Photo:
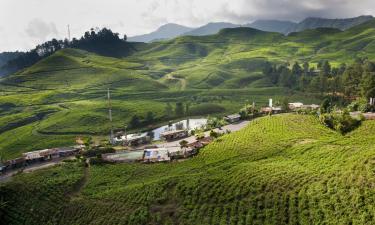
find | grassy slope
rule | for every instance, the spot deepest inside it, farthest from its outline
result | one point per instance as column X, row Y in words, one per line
column 285, row 169
column 224, row 69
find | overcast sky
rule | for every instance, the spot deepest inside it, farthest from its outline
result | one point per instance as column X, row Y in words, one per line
column 25, row 23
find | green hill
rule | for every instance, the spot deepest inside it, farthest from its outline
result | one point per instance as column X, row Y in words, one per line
column 286, row 169
column 69, row 87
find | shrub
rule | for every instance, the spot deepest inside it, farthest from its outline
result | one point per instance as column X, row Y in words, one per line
column 214, row 122
column 341, row 122
column 205, row 109
column 248, row 111
column 214, row 134
column 359, row 105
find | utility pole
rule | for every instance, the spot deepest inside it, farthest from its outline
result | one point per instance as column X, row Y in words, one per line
column 126, row 135
column 110, row 117
column 68, row 33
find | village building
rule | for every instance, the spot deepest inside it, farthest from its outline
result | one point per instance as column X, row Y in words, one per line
column 300, row 105
column 295, row 105
column 311, row 107
column 368, row 115
column 124, row 156
column 68, row 151
column 156, row 155
column 232, row 118
column 272, row 110
column 133, row 139
column 41, row 155
column 174, row 134
column 15, row 163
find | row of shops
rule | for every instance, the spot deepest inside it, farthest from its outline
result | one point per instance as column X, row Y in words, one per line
column 29, row 158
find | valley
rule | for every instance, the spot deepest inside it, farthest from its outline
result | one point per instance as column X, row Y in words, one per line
column 68, row 88
column 304, row 166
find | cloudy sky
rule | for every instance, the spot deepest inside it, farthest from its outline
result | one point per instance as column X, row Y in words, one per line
column 25, row 23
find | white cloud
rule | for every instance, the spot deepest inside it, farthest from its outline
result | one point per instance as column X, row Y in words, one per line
column 22, row 31
column 40, row 30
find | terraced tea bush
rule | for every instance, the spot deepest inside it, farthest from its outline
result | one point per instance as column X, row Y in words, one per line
column 284, row 169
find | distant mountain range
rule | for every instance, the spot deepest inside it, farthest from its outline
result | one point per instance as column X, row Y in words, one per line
column 166, row 31
column 7, row 56
column 279, row 26
column 169, row 31
column 342, row 24
column 210, row 28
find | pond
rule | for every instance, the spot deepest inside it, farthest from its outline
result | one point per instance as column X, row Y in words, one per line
column 189, row 124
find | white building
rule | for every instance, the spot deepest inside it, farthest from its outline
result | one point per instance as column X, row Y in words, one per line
column 295, row 105
column 156, row 155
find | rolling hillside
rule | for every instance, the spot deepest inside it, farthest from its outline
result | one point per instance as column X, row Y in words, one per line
column 64, row 95
column 341, row 24
column 286, row 169
column 170, row 30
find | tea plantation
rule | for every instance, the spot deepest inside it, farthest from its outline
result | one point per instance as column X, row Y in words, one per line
column 286, row 169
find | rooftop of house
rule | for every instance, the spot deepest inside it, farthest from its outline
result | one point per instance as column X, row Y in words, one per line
column 233, row 116
column 271, row 108
column 131, row 137
column 171, row 132
column 296, row 103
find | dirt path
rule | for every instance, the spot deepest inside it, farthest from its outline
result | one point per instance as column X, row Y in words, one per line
column 82, row 183
column 181, row 80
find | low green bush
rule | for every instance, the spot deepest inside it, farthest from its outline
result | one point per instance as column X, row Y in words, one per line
column 340, row 121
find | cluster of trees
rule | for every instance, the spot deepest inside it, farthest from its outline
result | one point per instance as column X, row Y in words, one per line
column 181, row 109
column 357, row 79
column 248, row 112
column 342, row 122
column 137, row 121
column 101, row 41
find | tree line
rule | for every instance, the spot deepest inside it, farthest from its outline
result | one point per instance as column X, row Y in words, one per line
column 354, row 80
column 181, row 109
column 101, row 41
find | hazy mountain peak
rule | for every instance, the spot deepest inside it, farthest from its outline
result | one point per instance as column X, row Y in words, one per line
column 211, row 28
column 280, row 26
column 166, row 31
column 342, row 24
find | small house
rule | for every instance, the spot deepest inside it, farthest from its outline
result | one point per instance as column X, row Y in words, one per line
column 232, row 118
column 173, row 135
column 369, row 116
column 124, row 156
column 156, row 155
column 68, row 151
column 195, row 145
column 295, row 105
column 274, row 110
column 277, row 110
column 41, row 155
column 16, row 163
column 311, row 107
column 266, row 110
column 133, row 139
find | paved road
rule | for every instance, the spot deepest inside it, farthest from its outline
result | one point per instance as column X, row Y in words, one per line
column 191, row 139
